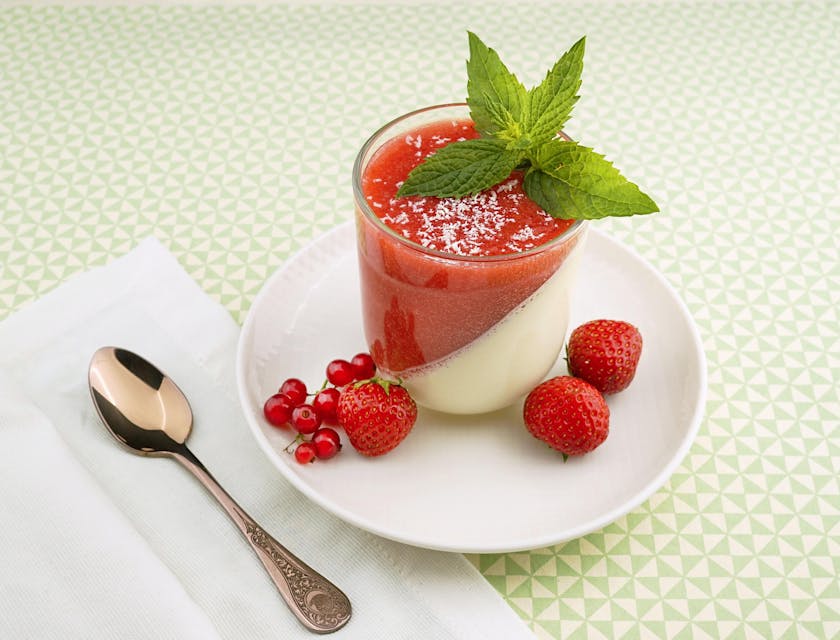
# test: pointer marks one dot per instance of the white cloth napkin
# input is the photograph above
(98, 543)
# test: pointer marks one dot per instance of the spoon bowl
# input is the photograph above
(146, 411)
(139, 405)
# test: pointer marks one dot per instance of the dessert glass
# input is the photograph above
(464, 334)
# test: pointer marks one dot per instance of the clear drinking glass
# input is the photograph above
(465, 334)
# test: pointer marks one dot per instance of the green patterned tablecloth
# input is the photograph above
(229, 134)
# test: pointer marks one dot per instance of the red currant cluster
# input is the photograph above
(289, 407)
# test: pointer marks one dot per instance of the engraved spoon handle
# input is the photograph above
(318, 604)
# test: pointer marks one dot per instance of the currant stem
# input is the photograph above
(298, 439)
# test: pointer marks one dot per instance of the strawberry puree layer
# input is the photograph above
(452, 269)
(501, 220)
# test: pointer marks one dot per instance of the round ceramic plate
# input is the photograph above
(478, 484)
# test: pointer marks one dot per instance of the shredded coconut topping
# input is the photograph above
(500, 220)
(465, 226)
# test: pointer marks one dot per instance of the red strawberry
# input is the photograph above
(377, 415)
(568, 414)
(605, 354)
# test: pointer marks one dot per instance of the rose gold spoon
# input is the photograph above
(148, 413)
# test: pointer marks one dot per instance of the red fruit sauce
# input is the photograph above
(421, 306)
(500, 220)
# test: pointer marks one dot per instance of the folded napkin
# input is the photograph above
(98, 543)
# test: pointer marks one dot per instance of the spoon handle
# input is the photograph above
(318, 604)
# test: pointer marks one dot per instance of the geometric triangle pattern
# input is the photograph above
(229, 133)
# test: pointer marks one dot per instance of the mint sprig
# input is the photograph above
(520, 128)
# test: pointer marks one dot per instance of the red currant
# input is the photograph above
(364, 367)
(278, 409)
(295, 389)
(305, 452)
(305, 419)
(326, 404)
(327, 443)
(340, 373)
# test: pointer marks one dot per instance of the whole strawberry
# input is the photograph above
(568, 414)
(605, 354)
(377, 415)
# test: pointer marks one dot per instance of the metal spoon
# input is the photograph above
(147, 412)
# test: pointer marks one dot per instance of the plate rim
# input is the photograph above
(532, 542)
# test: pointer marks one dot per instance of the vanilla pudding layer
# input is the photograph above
(506, 362)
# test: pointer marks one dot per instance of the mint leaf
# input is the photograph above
(495, 97)
(550, 104)
(550, 193)
(571, 181)
(461, 168)
(509, 129)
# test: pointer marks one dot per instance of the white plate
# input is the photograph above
(478, 484)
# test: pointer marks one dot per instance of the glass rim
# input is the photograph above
(361, 201)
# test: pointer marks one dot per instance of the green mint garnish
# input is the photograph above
(519, 128)
(572, 181)
(462, 168)
(498, 101)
